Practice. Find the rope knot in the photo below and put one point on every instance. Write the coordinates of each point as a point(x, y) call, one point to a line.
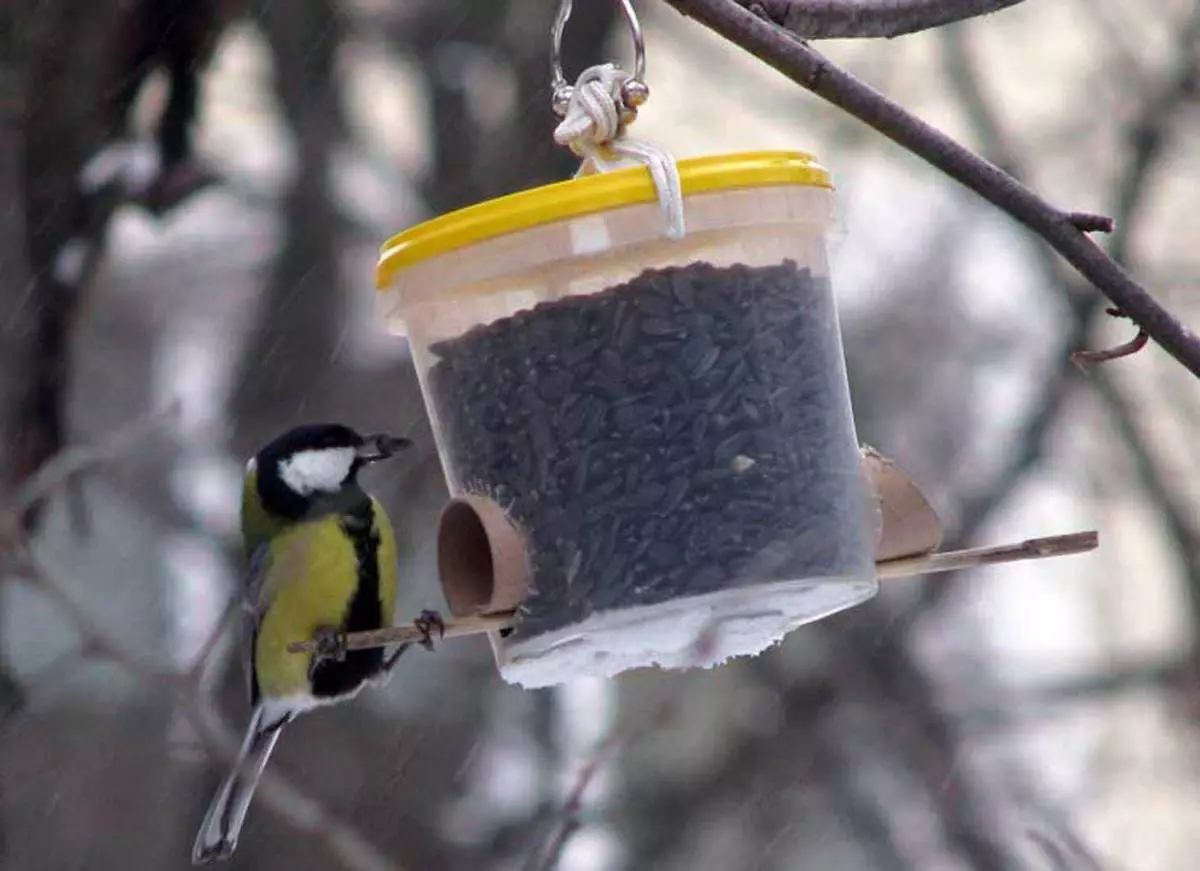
point(599, 109)
point(596, 110)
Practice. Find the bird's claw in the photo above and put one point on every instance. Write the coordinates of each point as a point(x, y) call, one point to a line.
point(329, 643)
point(426, 623)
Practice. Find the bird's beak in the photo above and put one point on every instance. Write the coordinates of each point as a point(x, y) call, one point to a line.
point(381, 446)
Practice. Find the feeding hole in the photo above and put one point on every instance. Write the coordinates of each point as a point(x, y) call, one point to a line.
point(481, 557)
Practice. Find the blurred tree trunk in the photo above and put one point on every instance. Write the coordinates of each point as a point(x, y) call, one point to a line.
point(49, 52)
point(58, 109)
point(292, 348)
point(455, 45)
point(15, 291)
point(50, 125)
point(68, 44)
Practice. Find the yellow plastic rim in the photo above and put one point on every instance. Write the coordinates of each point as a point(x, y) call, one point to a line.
point(587, 195)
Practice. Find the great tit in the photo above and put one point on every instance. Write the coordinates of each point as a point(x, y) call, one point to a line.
point(322, 558)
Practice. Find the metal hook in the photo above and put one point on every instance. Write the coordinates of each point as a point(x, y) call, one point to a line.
point(634, 92)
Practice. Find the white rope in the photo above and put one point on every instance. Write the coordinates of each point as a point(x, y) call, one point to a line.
point(594, 128)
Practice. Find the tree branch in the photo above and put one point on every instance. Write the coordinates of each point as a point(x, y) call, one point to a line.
point(1084, 359)
point(840, 19)
point(278, 794)
point(567, 823)
point(808, 68)
point(1148, 136)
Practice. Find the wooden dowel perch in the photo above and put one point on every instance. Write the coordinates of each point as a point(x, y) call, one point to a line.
point(409, 634)
point(1034, 548)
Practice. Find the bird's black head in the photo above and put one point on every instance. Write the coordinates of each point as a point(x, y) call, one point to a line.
point(313, 462)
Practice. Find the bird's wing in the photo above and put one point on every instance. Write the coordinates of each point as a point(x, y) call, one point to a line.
point(252, 607)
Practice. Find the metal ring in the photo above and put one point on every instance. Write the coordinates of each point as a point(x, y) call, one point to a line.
point(559, 88)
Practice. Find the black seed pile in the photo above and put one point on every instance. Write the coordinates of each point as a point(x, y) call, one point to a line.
point(676, 435)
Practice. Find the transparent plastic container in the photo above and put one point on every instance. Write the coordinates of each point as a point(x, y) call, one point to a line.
point(664, 424)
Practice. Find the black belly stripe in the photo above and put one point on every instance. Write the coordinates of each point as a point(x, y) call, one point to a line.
point(364, 612)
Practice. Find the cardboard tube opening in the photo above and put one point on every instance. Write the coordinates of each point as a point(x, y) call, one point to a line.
point(909, 524)
point(481, 557)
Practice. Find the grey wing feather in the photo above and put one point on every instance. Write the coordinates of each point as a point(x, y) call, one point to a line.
point(252, 607)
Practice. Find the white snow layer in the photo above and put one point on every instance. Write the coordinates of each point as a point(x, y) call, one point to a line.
point(695, 632)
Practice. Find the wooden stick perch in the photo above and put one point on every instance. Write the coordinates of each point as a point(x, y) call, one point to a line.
point(1034, 548)
point(476, 624)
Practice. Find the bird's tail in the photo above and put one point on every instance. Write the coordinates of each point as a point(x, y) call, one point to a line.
point(218, 833)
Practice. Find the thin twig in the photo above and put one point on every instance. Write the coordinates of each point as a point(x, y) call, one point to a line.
point(842, 19)
point(1089, 222)
point(567, 822)
point(1084, 359)
point(285, 799)
point(804, 65)
point(200, 664)
point(69, 464)
point(94, 639)
point(546, 859)
point(1178, 515)
point(1148, 136)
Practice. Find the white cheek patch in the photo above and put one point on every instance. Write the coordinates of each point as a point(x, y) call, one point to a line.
point(321, 471)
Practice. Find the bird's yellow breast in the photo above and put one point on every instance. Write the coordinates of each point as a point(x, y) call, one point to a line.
point(310, 578)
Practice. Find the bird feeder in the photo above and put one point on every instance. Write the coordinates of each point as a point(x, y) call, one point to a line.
point(648, 441)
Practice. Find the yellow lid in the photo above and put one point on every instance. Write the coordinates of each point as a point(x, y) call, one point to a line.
point(593, 193)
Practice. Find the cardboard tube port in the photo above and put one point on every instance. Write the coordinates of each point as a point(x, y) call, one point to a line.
point(482, 560)
point(908, 525)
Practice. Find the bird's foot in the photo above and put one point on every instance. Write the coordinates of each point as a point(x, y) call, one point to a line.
point(329, 643)
point(426, 623)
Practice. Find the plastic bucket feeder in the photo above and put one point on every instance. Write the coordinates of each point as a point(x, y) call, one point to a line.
point(648, 442)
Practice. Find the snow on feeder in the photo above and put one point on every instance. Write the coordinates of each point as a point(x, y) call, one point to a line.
point(653, 436)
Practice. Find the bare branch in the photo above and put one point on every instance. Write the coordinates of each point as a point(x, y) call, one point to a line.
point(808, 68)
point(546, 859)
point(208, 648)
point(1178, 516)
point(567, 821)
point(1174, 673)
point(69, 464)
point(1068, 856)
point(1087, 222)
point(1148, 136)
point(286, 800)
point(1083, 359)
point(842, 19)
point(1150, 133)
point(289, 802)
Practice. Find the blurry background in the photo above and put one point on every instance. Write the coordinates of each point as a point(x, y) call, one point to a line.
point(1039, 715)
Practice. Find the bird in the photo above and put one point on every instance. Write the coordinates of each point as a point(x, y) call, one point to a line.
point(321, 556)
